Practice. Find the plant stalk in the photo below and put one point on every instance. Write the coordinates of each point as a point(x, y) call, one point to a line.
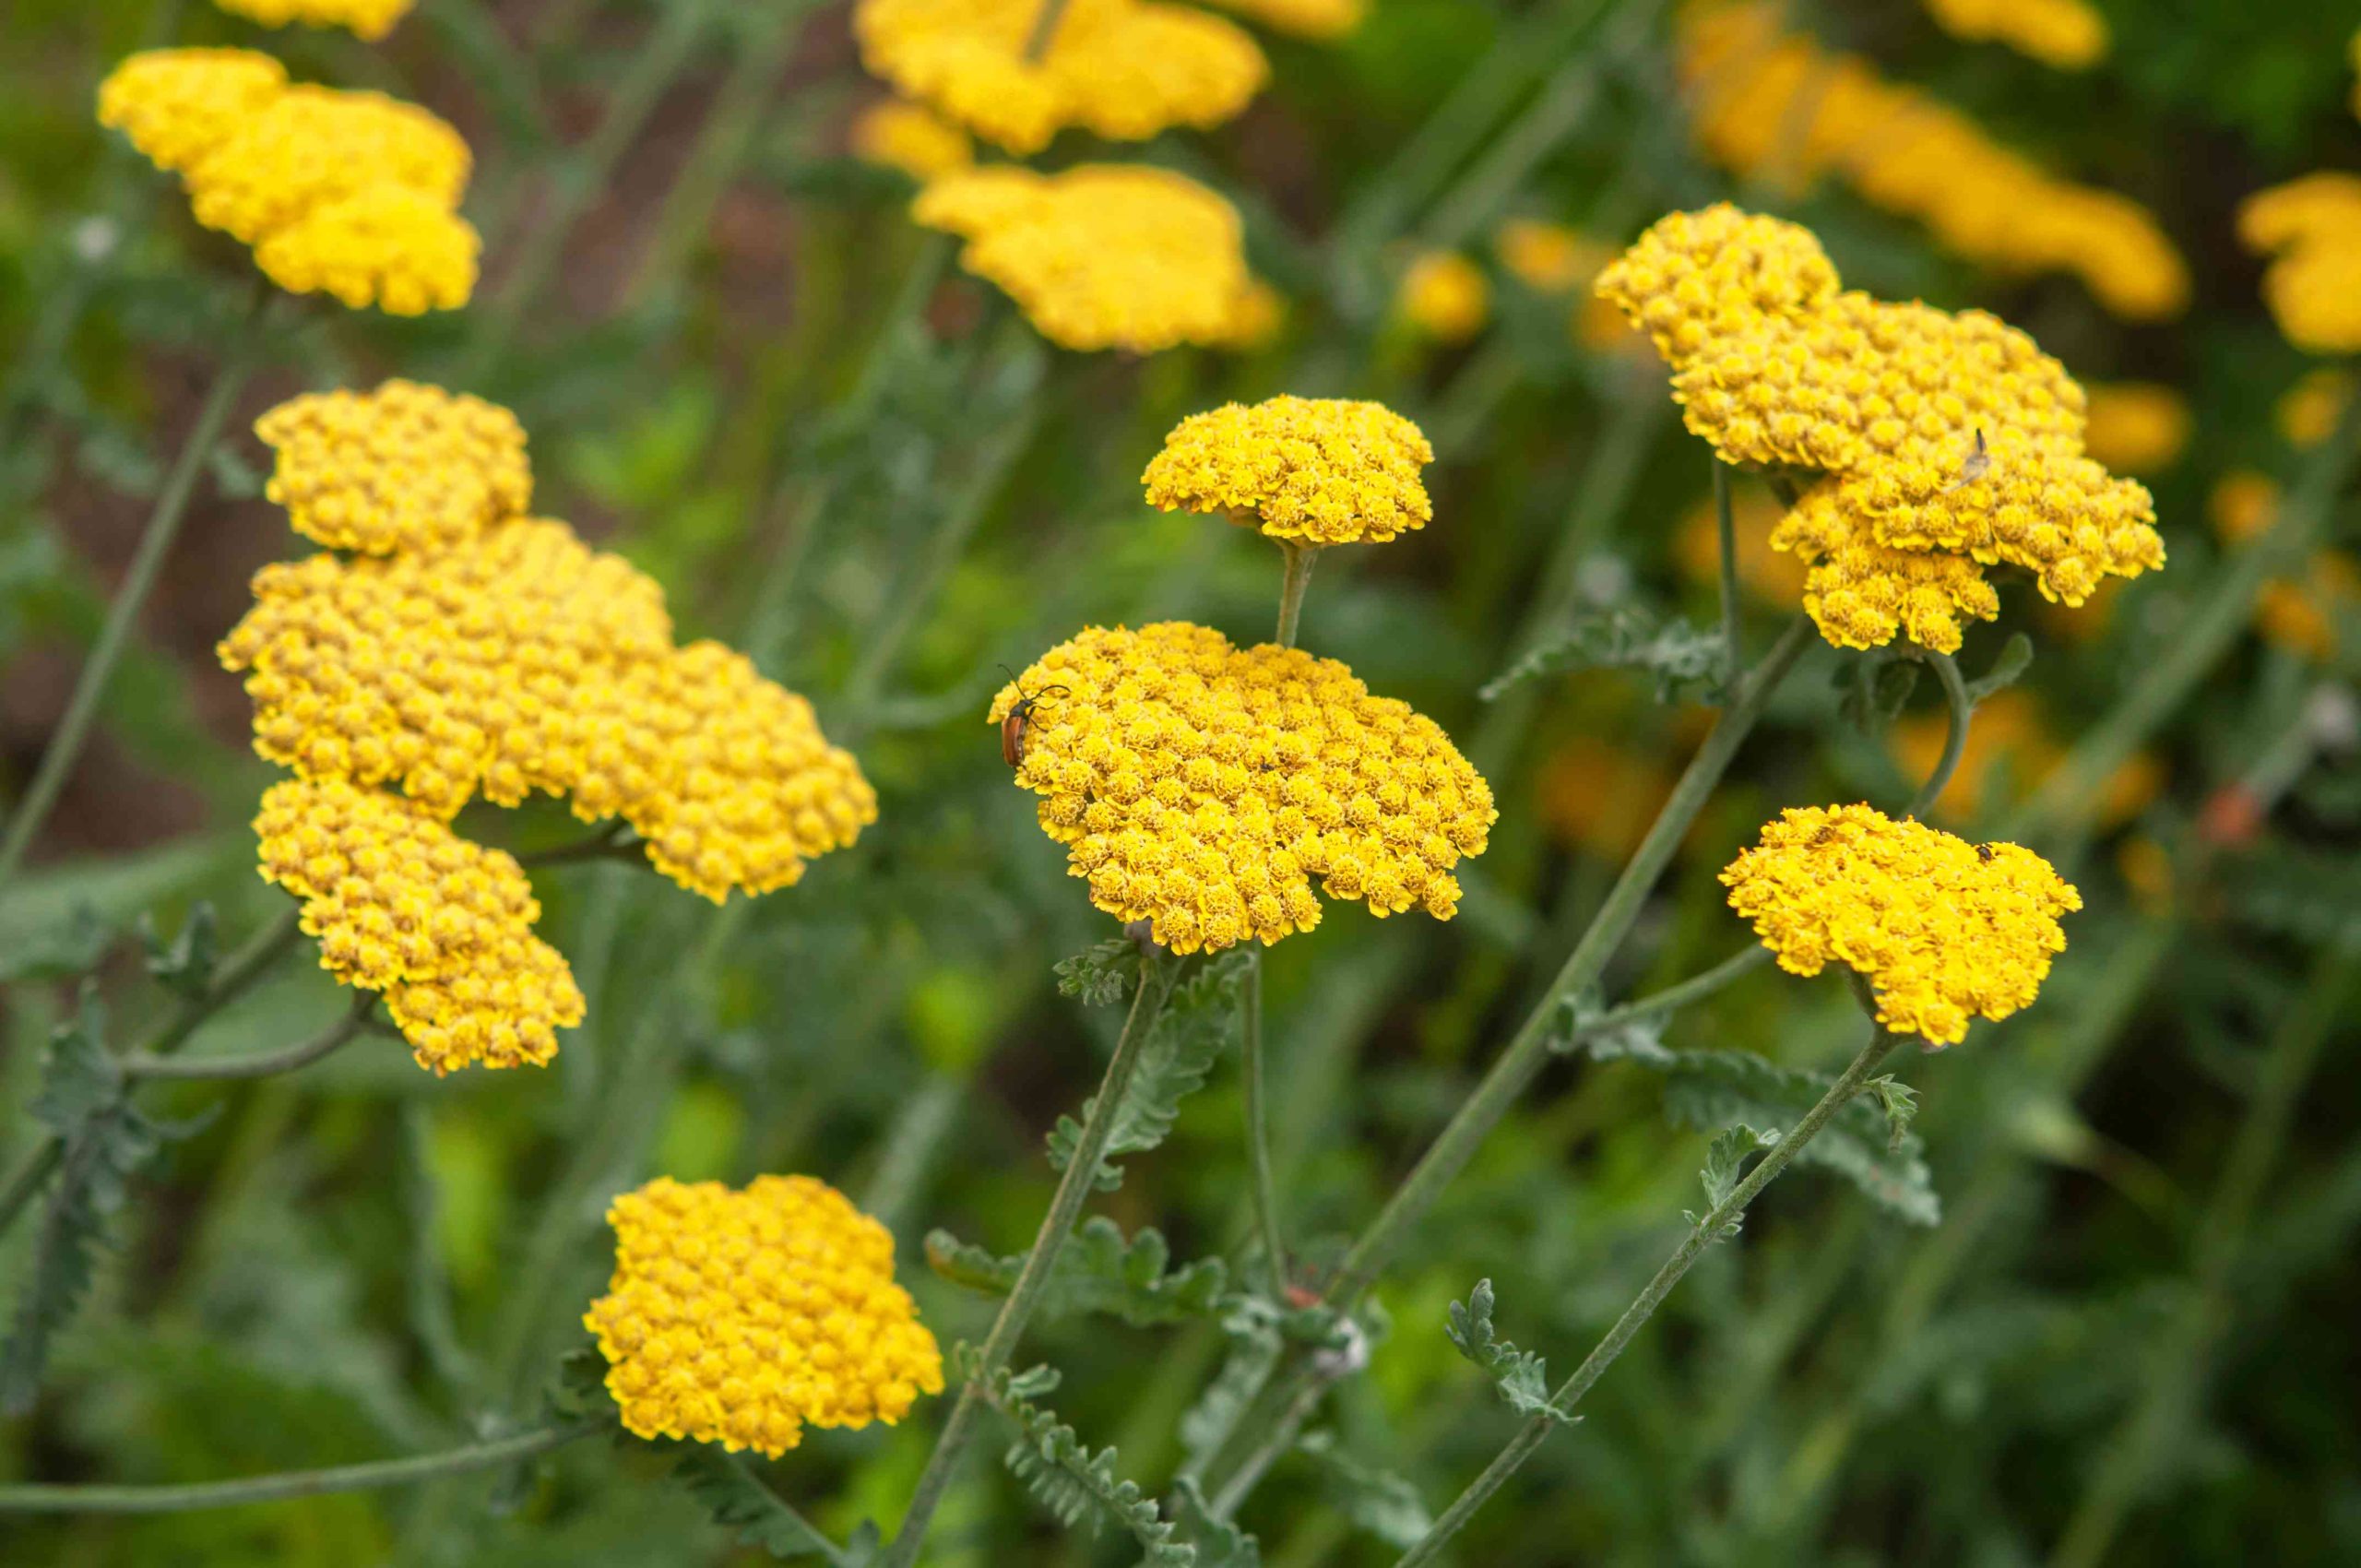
point(1960, 707)
point(1298, 577)
point(1733, 640)
point(1258, 1125)
point(260, 1063)
point(1045, 31)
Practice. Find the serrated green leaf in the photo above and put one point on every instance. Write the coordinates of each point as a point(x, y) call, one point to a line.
point(1099, 1271)
point(1522, 1377)
point(185, 965)
point(1712, 1090)
point(1900, 1103)
point(1255, 1345)
point(1101, 974)
point(1687, 661)
point(2015, 658)
point(735, 1498)
point(1726, 1162)
point(1641, 1038)
point(1196, 1026)
point(1074, 1483)
point(578, 1387)
point(1877, 686)
point(1218, 1543)
point(1375, 1500)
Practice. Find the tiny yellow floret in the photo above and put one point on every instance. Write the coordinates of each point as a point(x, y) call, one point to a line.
point(369, 19)
point(1320, 471)
point(741, 1316)
point(404, 468)
point(1204, 787)
point(402, 905)
point(1944, 931)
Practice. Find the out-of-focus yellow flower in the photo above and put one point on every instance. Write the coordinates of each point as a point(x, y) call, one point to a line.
point(1203, 787)
point(1944, 931)
point(2009, 751)
point(2311, 227)
point(1772, 104)
point(2137, 426)
point(893, 134)
point(1550, 259)
point(1694, 278)
point(2147, 870)
point(369, 20)
point(175, 105)
point(1601, 797)
point(2242, 503)
point(1104, 256)
point(2303, 613)
point(1322, 470)
point(1122, 69)
point(741, 1316)
point(1768, 574)
point(349, 194)
point(404, 906)
point(1255, 317)
point(518, 660)
point(403, 468)
point(1444, 296)
point(1860, 593)
point(2308, 413)
point(1319, 19)
point(2064, 33)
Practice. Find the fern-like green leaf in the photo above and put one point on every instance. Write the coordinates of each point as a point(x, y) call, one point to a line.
point(1097, 1272)
point(1712, 1090)
point(733, 1497)
point(1196, 1026)
point(185, 965)
point(1218, 1543)
point(1522, 1377)
point(1101, 974)
point(1074, 1483)
point(1686, 662)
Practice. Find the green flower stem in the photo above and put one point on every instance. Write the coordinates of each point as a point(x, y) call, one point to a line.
point(1733, 640)
point(260, 1063)
point(1045, 28)
point(1724, 1215)
point(31, 1174)
point(582, 175)
point(1158, 970)
point(1526, 1054)
point(2197, 644)
point(163, 525)
point(291, 1483)
point(1298, 577)
point(2172, 1390)
point(1258, 1125)
point(1672, 998)
point(1961, 707)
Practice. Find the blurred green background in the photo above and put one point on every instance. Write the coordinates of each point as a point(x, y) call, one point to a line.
point(2139, 1298)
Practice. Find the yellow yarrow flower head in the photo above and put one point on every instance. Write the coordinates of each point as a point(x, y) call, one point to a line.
point(1444, 296)
point(893, 134)
point(177, 104)
point(1102, 256)
point(1694, 277)
point(1320, 471)
point(2306, 413)
point(404, 906)
point(2067, 34)
point(741, 1316)
point(390, 247)
point(1944, 931)
point(1203, 788)
point(406, 468)
point(2138, 426)
point(1323, 20)
point(310, 146)
point(2312, 229)
point(1123, 70)
point(1861, 593)
point(369, 20)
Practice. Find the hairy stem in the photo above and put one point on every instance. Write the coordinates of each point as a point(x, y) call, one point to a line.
point(1716, 1223)
point(1157, 972)
point(290, 1483)
point(259, 1064)
point(1258, 1125)
point(235, 976)
point(1299, 558)
point(1733, 642)
point(1960, 707)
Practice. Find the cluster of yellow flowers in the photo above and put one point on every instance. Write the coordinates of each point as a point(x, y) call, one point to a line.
point(1944, 931)
point(1444, 296)
point(1105, 256)
point(911, 137)
point(1317, 470)
point(2065, 33)
point(2311, 228)
point(497, 653)
point(1122, 69)
point(404, 906)
point(1202, 787)
point(369, 20)
point(352, 194)
point(741, 1316)
point(1770, 103)
point(2137, 426)
point(1950, 442)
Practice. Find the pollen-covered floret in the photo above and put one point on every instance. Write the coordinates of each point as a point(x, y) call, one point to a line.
point(1693, 278)
point(1944, 931)
point(177, 104)
point(741, 1316)
point(1322, 470)
point(1860, 593)
point(1204, 787)
point(1102, 256)
point(2311, 227)
point(1121, 69)
point(443, 928)
point(369, 20)
point(403, 468)
point(893, 134)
